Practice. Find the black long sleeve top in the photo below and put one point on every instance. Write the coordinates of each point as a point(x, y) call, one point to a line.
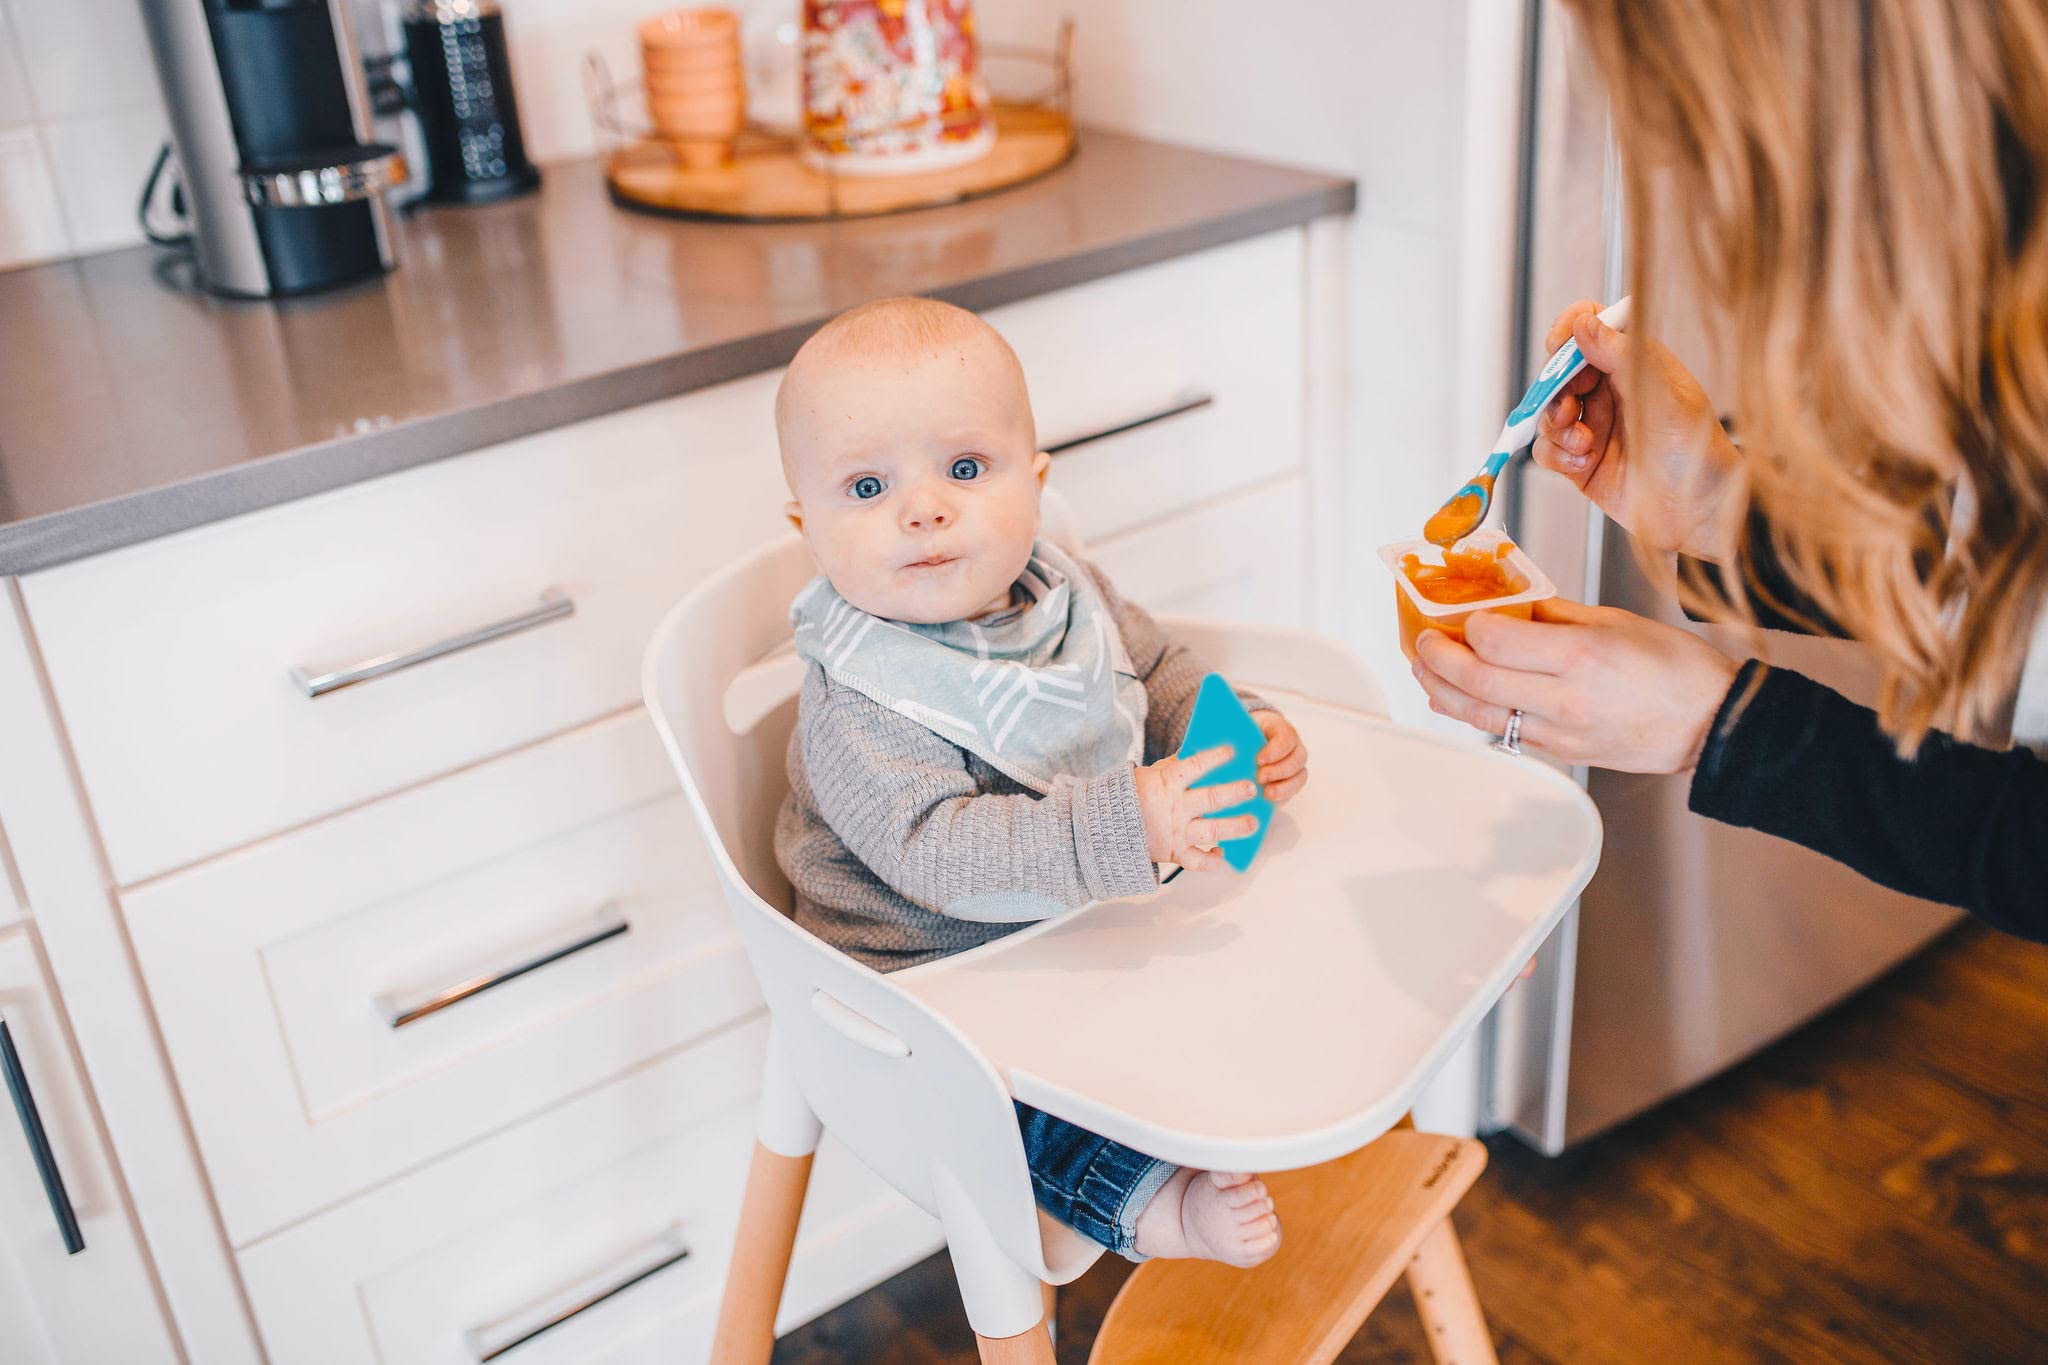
point(1956, 823)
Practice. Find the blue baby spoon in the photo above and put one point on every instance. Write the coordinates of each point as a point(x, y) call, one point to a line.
point(1466, 509)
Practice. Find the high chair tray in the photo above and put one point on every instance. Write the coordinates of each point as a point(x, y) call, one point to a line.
point(1288, 1015)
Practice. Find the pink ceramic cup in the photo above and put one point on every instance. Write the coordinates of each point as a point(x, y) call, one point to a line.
point(697, 114)
point(716, 81)
point(686, 28)
point(689, 60)
point(696, 86)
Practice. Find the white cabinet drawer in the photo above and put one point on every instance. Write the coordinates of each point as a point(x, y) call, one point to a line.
point(172, 660)
point(1242, 558)
point(277, 972)
point(471, 1252)
point(57, 1306)
point(1225, 325)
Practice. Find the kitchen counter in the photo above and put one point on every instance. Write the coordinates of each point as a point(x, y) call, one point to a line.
point(132, 406)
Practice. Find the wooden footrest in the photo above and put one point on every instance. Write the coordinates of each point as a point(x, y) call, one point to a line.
point(1348, 1228)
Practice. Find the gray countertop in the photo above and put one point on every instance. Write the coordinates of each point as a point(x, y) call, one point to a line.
point(132, 406)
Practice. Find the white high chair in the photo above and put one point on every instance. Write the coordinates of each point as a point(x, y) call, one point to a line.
point(1273, 1021)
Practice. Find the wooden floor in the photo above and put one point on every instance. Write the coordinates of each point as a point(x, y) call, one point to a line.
point(1874, 1188)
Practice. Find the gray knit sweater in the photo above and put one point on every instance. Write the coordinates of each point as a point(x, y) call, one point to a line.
point(903, 847)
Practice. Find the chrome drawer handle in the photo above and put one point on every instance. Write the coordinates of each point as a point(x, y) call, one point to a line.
point(492, 1340)
point(553, 607)
point(39, 1144)
point(1192, 403)
point(415, 1010)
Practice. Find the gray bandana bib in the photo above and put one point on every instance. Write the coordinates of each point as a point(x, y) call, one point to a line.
point(1040, 691)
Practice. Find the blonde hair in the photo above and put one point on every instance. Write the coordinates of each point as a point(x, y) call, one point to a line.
point(1853, 189)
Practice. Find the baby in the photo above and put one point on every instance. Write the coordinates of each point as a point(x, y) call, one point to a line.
point(986, 731)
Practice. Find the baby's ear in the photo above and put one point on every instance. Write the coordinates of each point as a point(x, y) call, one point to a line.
point(1041, 463)
point(794, 510)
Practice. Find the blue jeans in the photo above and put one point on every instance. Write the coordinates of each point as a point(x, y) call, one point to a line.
point(1095, 1186)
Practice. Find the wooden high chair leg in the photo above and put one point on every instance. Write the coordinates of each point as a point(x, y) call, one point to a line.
point(1445, 1299)
point(1031, 1348)
point(760, 1257)
point(1000, 1296)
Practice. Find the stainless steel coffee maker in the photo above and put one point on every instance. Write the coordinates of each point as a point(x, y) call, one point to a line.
point(270, 120)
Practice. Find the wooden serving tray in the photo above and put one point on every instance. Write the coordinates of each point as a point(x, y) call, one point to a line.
point(767, 181)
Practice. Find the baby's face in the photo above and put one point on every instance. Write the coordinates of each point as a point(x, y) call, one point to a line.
point(916, 479)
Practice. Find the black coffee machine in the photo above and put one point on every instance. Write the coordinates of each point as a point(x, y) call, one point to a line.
point(462, 92)
point(271, 121)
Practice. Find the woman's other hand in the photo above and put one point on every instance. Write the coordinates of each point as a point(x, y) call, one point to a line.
point(1283, 763)
point(1669, 473)
point(1595, 685)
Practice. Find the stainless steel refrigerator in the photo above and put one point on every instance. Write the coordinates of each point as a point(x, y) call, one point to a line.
point(1696, 944)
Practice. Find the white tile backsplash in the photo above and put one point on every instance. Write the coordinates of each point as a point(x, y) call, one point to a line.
point(549, 44)
point(78, 84)
point(85, 56)
point(16, 108)
point(1367, 88)
point(31, 225)
point(99, 163)
point(81, 117)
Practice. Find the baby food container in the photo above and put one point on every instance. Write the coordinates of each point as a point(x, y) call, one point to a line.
point(1417, 613)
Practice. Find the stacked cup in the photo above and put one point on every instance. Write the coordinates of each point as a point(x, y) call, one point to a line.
point(696, 88)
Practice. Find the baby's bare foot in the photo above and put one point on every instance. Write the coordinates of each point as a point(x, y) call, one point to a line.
point(1210, 1216)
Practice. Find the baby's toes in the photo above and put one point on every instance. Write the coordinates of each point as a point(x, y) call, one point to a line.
point(1259, 1243)
point(1224, 1180)
point(1251, 1194)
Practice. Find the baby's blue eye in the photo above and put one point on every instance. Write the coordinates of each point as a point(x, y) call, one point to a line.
point(867, 486)
point(966, 467)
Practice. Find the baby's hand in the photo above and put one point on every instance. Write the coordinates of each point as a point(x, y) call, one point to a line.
point(1175, 830)
point(1283, 763)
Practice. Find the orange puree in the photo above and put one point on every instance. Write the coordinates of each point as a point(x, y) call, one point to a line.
point(1476, 575)
point(1459, 517)
point(1466, 576)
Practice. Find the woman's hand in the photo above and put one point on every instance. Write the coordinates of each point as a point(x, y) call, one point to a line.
point(1283, 763)
point(1595, 685)
point(1668, 473)
point(1175, 810)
